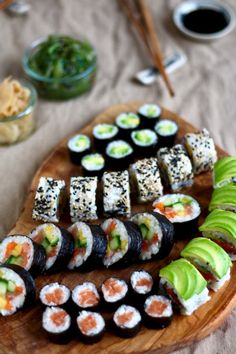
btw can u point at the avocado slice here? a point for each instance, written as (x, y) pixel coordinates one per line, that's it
(52, 239)
(144, 230)
(11, 286)
(178, 206)
(168, 202)
(119, 150)
(105, 129)
(81, 142)
(3, 287)
(14, 260)
(143, 137)
(224, 196)
(115, 243)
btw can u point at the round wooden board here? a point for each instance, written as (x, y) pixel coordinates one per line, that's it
(22, 332)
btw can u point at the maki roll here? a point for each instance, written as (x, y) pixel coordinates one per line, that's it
(56, 322)
(55, 294)
(141, 283)
(116, 193)
(119, 154)
(185, 285)
(158, 311)
(123, 242)
(114, 293)
(224, 198)
(182, 210)
(220, 227)
(83, 198)
(144, 142)
(49, 199)
(58, 244)
(93, 165)
(146, 180)
(90, 246)
(224, 171)
(91, 326)
(127, 122)
(201, 150)
(24, 252)
(157, 235)
(85, 296)
(127, 321)
(149, 114)
(17, 289)
(78, 146)
(166, 130)
(103, 134)
(176, 167)
(210, 259)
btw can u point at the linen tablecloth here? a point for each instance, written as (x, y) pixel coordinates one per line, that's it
(205, 94)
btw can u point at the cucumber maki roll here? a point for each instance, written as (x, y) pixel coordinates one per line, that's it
(185, 285)
(24, 252)
(91, 326)
(127, 321)
(149, 114)
(210, 259)
(17, 289)
(224, 198)
(93, 165)
(90, 246)
(157, 312)
(119, 154)
(141, 284)
(55, 294)
(224, 171)
(157, 235)
(123, 242)
(57, 323)
(85, 296)
(144, 142)
(78, 146)
(127, 122)
(103, 134)
(182, 210)
(58, 244)
(220, 227)
(166, 131)
(114, 293)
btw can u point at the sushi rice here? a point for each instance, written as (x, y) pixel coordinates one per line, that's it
(54, 294)
(56, 320)
(127, 317)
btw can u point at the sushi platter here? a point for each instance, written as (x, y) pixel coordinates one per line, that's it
(23, 331)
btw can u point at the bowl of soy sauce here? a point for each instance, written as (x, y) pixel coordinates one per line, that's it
(204, 20)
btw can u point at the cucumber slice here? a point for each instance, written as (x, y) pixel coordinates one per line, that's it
(168, 202)
(3, 287)
(115, 243)
(144, 230)
(81, 243)
(45, 243)
(149, 235)
(53, 240)
(11, 286)
(178, 207)
(14, 260)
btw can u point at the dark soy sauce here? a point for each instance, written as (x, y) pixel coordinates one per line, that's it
(205, 21)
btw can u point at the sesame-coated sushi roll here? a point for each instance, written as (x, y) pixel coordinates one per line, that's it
(24, 252)
(55, 294)
(144, 142)
(114, 293)
(119, 154)
(141, 284)
(127, 321)
(127, 122)
(57, 323)
(93, 165)
(85, 296)
(149, 114)
(157, 311)
(78, 146)
(166, 130)
(103, 134)
(91, 326)
(58, 244)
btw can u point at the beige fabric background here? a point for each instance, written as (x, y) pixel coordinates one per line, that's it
(205, 94)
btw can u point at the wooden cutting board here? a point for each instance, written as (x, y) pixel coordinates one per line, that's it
(22, 332)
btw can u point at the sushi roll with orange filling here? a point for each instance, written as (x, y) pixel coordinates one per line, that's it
(158, 311)
(141, 284)
(56, 322)
(55, 294)
(114, 293)
(85, 296)
(126, 321)
(91, 326)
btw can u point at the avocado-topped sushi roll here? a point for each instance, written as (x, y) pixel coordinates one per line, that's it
(166, 130)
(185, 285)
(158, 311)
(56, 322)
(78, 146)
(149, 114)
(17, 289)
(224, 198)
(90, 246)
(103, 134)
(116, 193)
(224, 171)
(144, 142)
(58, 244)
(119, 154)
(123, 242)
(83, 198)
(114, 293)
(220, 226)
(182, 210)
(91, 326)
(157, 235)
(141, 283)
(22, 251)
(85, 296)
(146, 180)
(49, 199)
(127, 321)
(210, 259)
(54, 294)
(201, 149)
(176, 167)
(127, 122)
(93, 164)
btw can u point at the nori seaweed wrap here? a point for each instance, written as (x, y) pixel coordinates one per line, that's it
(157, 311)
(103, 134)
(114, 293)
(78, 146)
(126, 321)
(119, 155)
(90, 326)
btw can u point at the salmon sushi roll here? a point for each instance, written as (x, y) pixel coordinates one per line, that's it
(114, 293)
(158, 311)
(55, 294)
(85, 296)
(56, 322)
(141, 284)
(126, 321)
(91, 326)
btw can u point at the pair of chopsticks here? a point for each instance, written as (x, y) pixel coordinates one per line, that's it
(139, 15)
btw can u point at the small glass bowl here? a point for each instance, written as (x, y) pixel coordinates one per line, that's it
(14, 129)
(62, 88)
